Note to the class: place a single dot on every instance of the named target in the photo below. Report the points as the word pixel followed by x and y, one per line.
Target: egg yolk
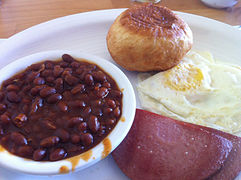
pixel 183 77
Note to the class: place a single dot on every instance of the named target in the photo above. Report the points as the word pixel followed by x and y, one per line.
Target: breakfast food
pixel 58 109
pixel 158 147
pixel 148 38
pixel 199 90
pixel 232 167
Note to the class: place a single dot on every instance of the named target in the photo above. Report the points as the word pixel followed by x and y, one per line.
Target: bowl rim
pixel 119 132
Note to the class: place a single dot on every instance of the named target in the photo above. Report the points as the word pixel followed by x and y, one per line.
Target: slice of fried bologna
pixel 232 167
pixel 158 147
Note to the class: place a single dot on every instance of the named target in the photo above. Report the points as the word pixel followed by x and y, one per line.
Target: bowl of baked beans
pixel 62 111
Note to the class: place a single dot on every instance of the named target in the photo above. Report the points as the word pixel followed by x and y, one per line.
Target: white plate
pixel 86 32
pixel 2 40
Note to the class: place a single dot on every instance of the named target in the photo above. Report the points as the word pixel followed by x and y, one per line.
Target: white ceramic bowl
pixel 95 154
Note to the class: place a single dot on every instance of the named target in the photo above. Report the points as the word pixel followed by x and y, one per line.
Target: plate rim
pixel 67 18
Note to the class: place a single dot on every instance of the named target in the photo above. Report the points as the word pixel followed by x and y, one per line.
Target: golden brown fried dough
pixel 148 37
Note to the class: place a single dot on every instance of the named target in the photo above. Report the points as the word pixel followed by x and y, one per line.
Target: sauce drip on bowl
pixel 64 170
pixel 75 160
pixel 107 147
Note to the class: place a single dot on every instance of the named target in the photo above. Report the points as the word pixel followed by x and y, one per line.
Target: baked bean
pixel 79 71
pixel 13 97
pixel 1 131
pixel 75 65
pixel 37 128
pixel 19 83
pixel 71 80
pixel 27 129
pixel 91 67
pixel 7 82
pixel 40 136
pixel 1 96
pixel 64 64
pixel 103 92
pixel 57 154
pixel 5 140
pixel 67 58
pixel 35 67
pixel 39 81
pixel 54 98
pixel 39 154
pixel 8 113
pixel 75 149
pixel 107 85
pixel 111 103
pixel 117 112
pixel 49 141
pixel 25 151
pixel 5 119
pixel 26 88
pixel 49 124
pixel 68 69
pixel 49 65
pixel 12 87
pixel 93 123
pixel 67 95
pixel 46 73
pixel 97 111
pixel 67 72
pixel 96 102
pixel 78 89
pixel 89 79
pixel 107 110
pixel 74 121
pixel 50 79
pixel 18 138
pixel 26 108
pixel 18 76
pixel 62 106
pixel 82 65
pixel 26 100
pixel 58 70
pixel 97 88
pixel 59 84
pixel 2 107
pixel 83 96
pixel 47 91
pixel 62 134
pixel 75 138
pixel 102 130
pixel 38 102
pixel 78 103
pixel 31 76
pixel 35 90
pixel 110 121
pixel 20 120
pixel 86 139
pixel 116 93
pixel 98 85
pixel 86 111
pixel 82 127
pixel 84 73
pixel 99 76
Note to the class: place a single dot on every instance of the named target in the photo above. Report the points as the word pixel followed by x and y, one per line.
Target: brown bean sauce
pixel 58 109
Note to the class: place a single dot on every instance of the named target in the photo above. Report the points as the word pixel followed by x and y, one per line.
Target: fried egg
pixel 198 90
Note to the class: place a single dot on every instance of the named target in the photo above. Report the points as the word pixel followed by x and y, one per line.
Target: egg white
pixel 198 90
